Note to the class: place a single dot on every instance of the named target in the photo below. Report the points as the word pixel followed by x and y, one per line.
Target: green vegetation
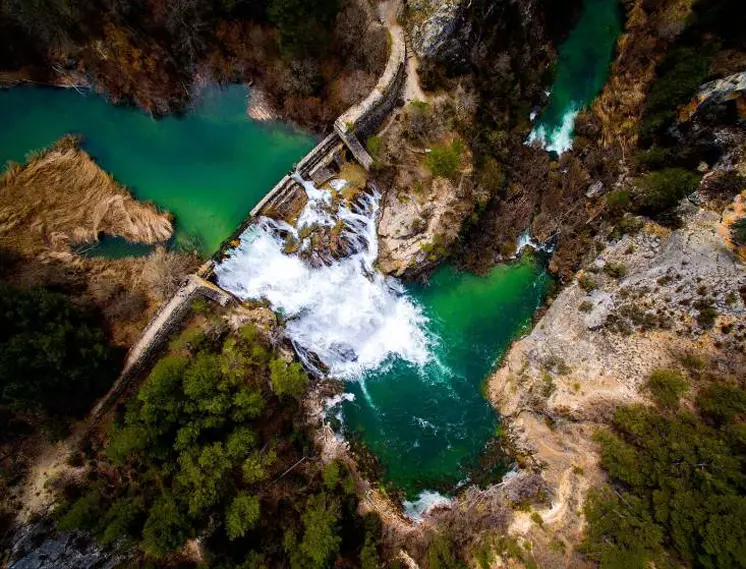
pixel 207 449
pixel 444 160
pixel 667 387
pixel 440 554
pixel 662 190
pixel 303 24
pixel 587 282
pixel 288 379
pixel 738 232
pixel 615 270
pixel 374 145
pixel 678 492
pixel 49 347
pixel 680 74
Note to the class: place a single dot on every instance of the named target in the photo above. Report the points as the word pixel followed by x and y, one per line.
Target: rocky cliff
pixel 647 302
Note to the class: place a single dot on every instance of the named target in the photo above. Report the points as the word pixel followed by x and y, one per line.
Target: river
pixel 582 69
pixel 413 357
pixel 208 167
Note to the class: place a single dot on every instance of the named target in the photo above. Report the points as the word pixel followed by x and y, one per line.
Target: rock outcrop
pixel 415 230
pixel 645 303
pixel 40 547
pixel 438 28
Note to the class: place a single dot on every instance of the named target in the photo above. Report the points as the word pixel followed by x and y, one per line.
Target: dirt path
pixel 388 12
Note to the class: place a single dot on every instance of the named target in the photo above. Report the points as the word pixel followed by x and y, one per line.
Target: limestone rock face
pixel 39 547
pixel 438 27
pixel 414 231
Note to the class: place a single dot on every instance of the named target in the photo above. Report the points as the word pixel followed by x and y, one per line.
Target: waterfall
pixel 343 313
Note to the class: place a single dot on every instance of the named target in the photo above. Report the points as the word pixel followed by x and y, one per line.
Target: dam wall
pixel 360 120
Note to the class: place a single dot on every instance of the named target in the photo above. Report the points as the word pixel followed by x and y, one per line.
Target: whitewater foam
pixel 426 501
pixel 559 139
pixel 350 316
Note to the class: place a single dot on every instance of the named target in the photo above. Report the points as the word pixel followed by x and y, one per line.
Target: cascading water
pixel 412 357
pixel 582 68
pixel 346 313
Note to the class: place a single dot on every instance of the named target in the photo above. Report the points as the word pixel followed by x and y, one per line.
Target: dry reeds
pixel 61 199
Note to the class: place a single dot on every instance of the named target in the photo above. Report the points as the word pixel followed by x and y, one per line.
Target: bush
pixel 628 225
pixel 618 201
pixel 662 190
pixel 654 158
pixel 444 160
pixel 738 232
pixel 615 270
pixel 374 145
pixel 667 387
pixel 587 282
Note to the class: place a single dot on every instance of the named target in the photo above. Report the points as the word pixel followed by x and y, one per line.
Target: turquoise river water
pixel 209 167
pixel 582 69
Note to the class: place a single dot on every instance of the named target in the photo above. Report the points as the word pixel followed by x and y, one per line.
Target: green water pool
pixel 208 167
pixel 426 425
pixel 583 65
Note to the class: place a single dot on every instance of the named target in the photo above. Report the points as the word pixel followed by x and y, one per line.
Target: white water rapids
pixel 348 314
pixel 353 318
pixel 555 140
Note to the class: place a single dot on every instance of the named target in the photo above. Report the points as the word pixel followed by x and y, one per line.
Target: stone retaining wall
pixel 364 118
pixel 167 320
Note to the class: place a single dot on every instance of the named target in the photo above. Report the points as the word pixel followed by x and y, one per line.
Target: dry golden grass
pixel 639 50
pixel 61 199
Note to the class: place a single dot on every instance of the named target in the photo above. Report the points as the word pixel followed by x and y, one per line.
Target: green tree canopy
pixel 54 356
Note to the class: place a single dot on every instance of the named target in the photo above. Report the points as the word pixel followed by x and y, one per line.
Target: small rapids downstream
pixel 413 357
pixel 582 68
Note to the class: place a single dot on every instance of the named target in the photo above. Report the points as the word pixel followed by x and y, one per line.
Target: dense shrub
pixel 667 387
pixel 738 232
pixel 662 190
pixel 679 490
pixel 680 74
pixel 54 356
pixel 444 160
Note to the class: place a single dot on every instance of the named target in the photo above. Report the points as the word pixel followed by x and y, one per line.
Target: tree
pixel 242 515
pixel 166 528
pixel 303 24
pixel 288 379
pixel 54 356
pixel 320 543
